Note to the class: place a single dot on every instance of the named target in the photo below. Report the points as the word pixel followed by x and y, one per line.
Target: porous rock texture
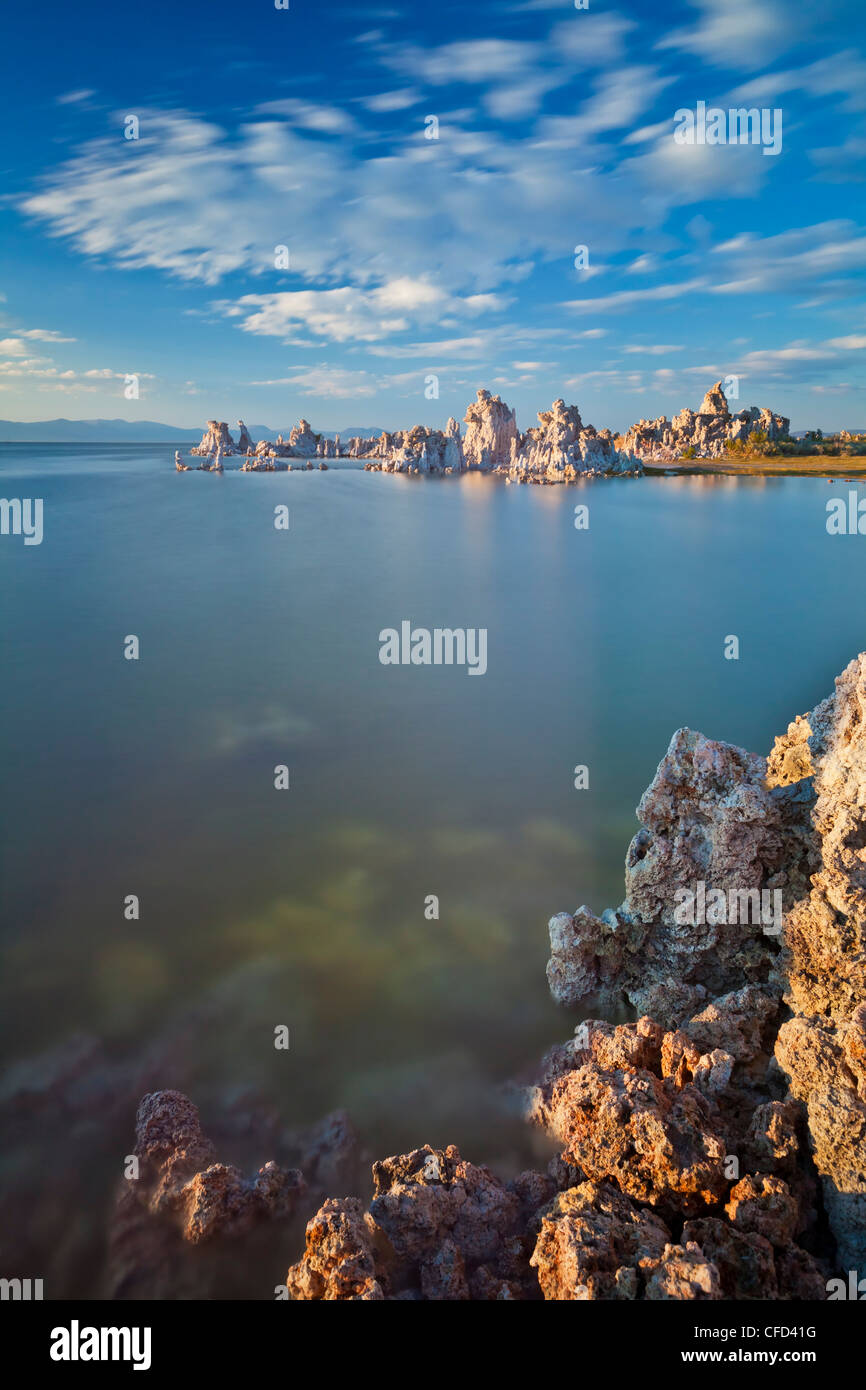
pixel 706 431
pixel 175 1192
pixel 562 448
pixel 302 442
pixel 490 429
pixel 216 437
pixel 715 1148
pixel 418 450
pixel 176 1196
pixel 795 822
pixel 437 1228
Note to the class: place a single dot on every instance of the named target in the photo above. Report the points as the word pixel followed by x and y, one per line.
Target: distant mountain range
pixel 135 432
pixel 152 432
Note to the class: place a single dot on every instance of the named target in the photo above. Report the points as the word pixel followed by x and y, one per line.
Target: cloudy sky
pixel 411 257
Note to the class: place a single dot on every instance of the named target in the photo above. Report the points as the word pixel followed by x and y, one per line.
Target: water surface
pixel 260 647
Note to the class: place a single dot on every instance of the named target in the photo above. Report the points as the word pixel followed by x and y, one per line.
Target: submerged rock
pixel 175 1194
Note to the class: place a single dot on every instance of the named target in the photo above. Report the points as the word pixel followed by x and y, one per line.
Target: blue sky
pixel 411 257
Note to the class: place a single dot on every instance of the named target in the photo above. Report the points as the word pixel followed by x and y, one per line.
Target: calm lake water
pixel 260 647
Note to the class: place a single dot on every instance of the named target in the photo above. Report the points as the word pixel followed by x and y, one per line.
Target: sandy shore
pixel 810 466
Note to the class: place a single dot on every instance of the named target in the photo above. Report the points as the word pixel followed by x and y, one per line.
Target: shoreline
pixel 811 466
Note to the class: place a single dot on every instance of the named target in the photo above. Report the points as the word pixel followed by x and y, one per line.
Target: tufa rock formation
pixel 181 1197
pixel 245 443
pixel 437 1228
pixel 793 823
pixel 561 448
pixel 491 427
pixel 706 432
pixel 303 443
pixel 215 438
pixel 419 450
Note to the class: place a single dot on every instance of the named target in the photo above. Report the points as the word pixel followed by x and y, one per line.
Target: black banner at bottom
pixel 229 1338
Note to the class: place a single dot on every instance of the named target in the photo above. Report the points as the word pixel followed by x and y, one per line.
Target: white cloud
pixel 386 102
pixel 618 99
pixel 14 347
pixel 653 349
pixel 841 75
pixel 335 383
pixel 627 299
pixel 308 115
pixel 19 343
pixel 474 347
pixel 75 98
pixel 45 335
pixel 469 60
pixel 824 254
pixel 792 258
pixel 347 314
pixel 736 34
pixel 590 40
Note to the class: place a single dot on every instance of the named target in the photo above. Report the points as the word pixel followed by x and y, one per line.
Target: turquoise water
pixel 260 647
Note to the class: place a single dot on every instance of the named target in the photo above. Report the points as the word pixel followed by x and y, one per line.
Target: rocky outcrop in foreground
pixel 706 431
pixel 716 1147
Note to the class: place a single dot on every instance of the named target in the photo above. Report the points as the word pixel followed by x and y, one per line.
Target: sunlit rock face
pixel 303 442
pixel 706 431
pixel 216 437
pixel 490 429
pixel 561 447
pixel 822 1049
pixel 417 450
pixel 795 824
pixel 245 443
